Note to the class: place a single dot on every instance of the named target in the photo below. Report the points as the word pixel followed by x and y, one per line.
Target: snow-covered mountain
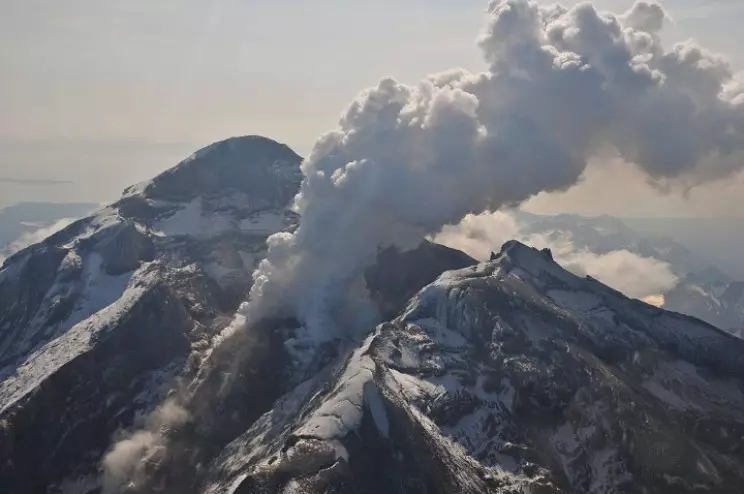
pixel 97 320
pixel 500 377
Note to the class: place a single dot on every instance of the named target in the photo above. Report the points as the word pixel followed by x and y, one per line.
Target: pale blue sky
pixel 106 93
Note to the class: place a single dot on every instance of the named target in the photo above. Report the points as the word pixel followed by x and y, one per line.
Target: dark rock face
pixel 397 276
pixel 126 249
pixel 21 294
pixel 257 166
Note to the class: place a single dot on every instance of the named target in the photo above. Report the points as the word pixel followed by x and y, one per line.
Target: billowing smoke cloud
pixel 563 86
pixel 479 235
pixel 635 276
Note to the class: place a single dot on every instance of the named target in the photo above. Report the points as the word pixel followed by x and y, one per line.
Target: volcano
pixel 506 376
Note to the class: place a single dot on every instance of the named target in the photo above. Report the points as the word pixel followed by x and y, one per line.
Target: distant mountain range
pixel 704 290
pixel 718 241
pixel 604 234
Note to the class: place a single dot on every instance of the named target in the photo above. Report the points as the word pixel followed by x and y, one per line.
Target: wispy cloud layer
pixel 634 275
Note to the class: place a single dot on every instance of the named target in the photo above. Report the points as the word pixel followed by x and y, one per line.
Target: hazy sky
pixel 105 93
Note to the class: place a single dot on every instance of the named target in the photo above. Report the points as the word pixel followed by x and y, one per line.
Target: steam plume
pixel 563 86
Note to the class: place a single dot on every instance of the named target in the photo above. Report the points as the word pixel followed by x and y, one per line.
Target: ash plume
pixel 125 466
pixel 562 86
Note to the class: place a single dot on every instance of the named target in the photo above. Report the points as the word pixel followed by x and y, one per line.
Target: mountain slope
pixel 98 320
pixel 509 376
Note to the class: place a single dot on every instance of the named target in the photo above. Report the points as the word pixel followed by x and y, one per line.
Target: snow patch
pixel 376 406
pixel 190 220
pixel 266 222
pixel 196 219
pixel 342 412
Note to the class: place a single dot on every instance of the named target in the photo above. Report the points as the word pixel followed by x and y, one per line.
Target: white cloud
pixel 33 237
pixel 635 276
pixel 479 235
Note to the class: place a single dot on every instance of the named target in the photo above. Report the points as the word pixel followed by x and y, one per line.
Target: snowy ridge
pixel 101 302
pixel 513 376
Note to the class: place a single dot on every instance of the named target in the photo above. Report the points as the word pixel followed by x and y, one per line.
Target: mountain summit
pixel 256 166
pixel 98 320
pixel 500 377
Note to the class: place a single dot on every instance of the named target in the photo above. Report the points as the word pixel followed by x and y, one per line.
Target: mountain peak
pixel 255 165
pixel 515 254
pixel 524 253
